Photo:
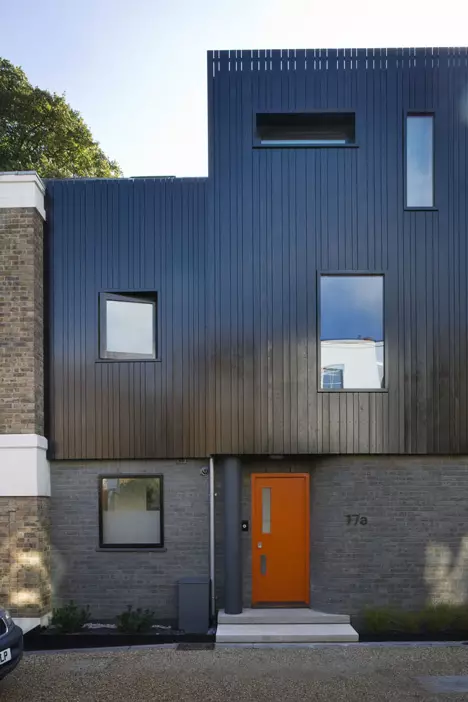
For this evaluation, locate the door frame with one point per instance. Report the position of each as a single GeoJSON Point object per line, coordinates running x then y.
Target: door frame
{"type": "Point", "coordinates": [254, 516]}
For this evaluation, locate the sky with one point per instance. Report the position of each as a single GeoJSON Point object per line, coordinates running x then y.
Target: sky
{"type": "Point", "coordinates": [136, 69]}
{"type": "Point", "coordinates": [351, 307]}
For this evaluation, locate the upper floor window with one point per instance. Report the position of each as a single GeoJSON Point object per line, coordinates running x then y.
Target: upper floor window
{"type": "Point", "coordinates": [128, 326]}
{"type": "Point", "coordinates": [351, 332]}
{"type": "Point", "coordinates": [420, 160]}
{"type": "Point", "coordinates": [306, 129]}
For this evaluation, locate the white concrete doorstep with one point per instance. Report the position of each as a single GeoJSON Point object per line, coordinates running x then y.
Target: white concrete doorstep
{"type": "Point", "coordinates": [298, 615]}
{"type": "Point", "coordinates": [285, 633]}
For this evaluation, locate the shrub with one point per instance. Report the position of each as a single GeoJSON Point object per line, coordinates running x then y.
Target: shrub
{"type": "Point", "coordinates": [444, 617]}
{"type": "Point", "coordinates": [380, 620]}
{"type": "Point", "coordinates": [432, 619]}
{"type": "Point", "coordinates": [70, 618]}
{"type": "Point", "coordinates": [133, 621]}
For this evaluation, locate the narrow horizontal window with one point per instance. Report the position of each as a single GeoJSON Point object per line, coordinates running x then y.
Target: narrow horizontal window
{"type": "Point", "coordinates": [306, 129]}
{"type": "Point", "coordinates": [131, 511]}
{"type": "Point", "coordinates": [420, 160]}
{"type": "Point", "coordinates": [351, 332]}
{"type": "Point", "coordinates": [128, 326]}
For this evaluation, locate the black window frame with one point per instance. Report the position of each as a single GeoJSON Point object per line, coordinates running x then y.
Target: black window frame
{"type": "Point", "coordinates": [356, 274]}
{"type": "Point", "coordinates": [132, 296]}
{"type": "Point", "coordinates": [419, 208]}
{"type": "Point", "coordinates": [137, 546]}
{"type": "Point", "coordinates": [258, 143]}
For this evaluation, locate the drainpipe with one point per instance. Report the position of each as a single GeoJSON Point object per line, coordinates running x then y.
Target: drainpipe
{"type": "Point", "coordinates": [212, 539]}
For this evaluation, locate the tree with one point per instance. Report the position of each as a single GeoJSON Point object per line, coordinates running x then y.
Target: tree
{"type": "Point", "coordinates": [40, 131]}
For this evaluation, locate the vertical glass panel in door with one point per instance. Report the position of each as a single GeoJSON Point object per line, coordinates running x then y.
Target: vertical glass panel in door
{"type": "Point", "coordinates": [266, 510]}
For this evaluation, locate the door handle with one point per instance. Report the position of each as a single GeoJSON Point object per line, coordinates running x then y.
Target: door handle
{"type": "Point", "coordinates": [263, 564]}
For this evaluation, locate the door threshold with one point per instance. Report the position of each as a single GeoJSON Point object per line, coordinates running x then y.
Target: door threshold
{"type": "Point", "coordinates": [281, 605]}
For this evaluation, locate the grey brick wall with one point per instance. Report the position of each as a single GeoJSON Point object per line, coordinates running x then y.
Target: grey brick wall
{"type": "Point", "coordinates": [413, 549]}
{"type": "Point", "coordinates": [109, 580]}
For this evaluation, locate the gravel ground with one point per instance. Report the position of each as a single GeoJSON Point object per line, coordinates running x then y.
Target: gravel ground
{"type": "Point", "coordinates": [235, 674]}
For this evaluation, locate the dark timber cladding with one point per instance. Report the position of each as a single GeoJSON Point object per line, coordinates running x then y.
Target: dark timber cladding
{"type": "Point", "coordinates": [234, 261]}
{"type": "Point", "coordinates": [127, 235]}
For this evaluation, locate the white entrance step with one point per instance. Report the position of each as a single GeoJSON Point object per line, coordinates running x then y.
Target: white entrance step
{"type": "Point", "coordinates": [285, 633]}
{"type": "Point", "coordinates": [275, 615]}
{"type": "Point", "coordinates": [284, 626]}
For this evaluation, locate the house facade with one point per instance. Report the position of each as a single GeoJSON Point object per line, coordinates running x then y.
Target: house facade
{"type": "Point", "coordinates": [257, 377]}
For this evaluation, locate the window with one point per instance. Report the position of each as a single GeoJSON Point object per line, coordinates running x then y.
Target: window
{"type": "Point", "coordinates": [306, 129]}
{"type": "Point", "coordinates": [351, 332]}
{"type": "Point", "coordinates": [332, 378]}
{"type": "Point", "coordinates": [420, 160]}
{"type": "Point", "coordinates": [128, 326]}
{"type": "Point", "coordinates": [131, 511]}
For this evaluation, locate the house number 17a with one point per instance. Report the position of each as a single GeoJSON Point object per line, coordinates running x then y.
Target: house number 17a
{"type": "Point", "coordinates": [355, 519]}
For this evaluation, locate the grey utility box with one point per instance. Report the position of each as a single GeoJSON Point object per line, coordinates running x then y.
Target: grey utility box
{"type": "Point", "coordinates": [194, 605]}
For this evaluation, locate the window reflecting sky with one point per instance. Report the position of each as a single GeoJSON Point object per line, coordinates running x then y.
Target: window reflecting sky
{"type": "Point", "coordinates": [130, 327]}
{"type": "Point", "coordinates": [419, 147]}
{"type": "Point", "coordinates": [351, 307]}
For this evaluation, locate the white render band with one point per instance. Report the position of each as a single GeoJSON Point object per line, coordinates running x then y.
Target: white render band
{"type": "Point", "coordinates": [24, 468]}
{"type": "Point", "coordinates": [22, 189]}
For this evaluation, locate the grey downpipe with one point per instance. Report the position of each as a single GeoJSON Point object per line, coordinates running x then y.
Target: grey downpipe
{"type": "Point", "coordinates": [212, 539]}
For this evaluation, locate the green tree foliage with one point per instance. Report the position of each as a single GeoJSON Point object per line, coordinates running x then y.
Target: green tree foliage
{"type": "Point", "coordinates": [40, 131]}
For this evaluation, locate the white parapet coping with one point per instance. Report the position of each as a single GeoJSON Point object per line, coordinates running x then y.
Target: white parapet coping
{"type": "Point", "coordinates": [24, 468]}
{"type": "Point", "coordinates": [22, 189]}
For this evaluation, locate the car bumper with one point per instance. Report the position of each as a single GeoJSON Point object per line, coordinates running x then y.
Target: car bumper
{"type": "Point", "coordinates": [14, 641]}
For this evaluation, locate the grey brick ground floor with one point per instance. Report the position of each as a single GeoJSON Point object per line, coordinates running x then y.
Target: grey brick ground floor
{"type": "Point", "coordinates": [407, 545]}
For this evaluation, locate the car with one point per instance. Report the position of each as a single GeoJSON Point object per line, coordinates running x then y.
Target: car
{"type": "Point", "coordinates": [11, 643]}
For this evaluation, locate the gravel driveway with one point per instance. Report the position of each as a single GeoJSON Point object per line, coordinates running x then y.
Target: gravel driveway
{"type": "Point", "coordinates": [334, 673]}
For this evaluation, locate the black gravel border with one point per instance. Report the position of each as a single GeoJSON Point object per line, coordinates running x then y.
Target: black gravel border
{"type": "Point", "coordinates": [38, 640]}
{"type": "Point", "coordinates": [397, 636]}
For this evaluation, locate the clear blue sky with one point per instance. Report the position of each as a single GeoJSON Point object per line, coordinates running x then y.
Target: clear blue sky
{"type": "Point", "coordinates": [136, 69]}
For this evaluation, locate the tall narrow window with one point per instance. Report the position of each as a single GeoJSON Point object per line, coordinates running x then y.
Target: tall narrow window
{"type": "Point", "coordinates": [420, 160]}
{"type": "Point", "coordinates": [351, 332]}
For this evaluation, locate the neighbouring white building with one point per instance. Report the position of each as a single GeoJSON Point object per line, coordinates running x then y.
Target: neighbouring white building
{"type": "Point", "coordinates": [352, 363]}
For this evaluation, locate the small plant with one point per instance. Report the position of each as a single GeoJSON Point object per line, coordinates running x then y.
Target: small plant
{"type": "Point", "coordinates": [134, 621]}
{"type": "Point", "coordinates": [70, 618]}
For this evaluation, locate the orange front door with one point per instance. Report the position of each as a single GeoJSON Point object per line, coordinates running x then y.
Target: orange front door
{"type": "Point", "coordinates": [280, 538]}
